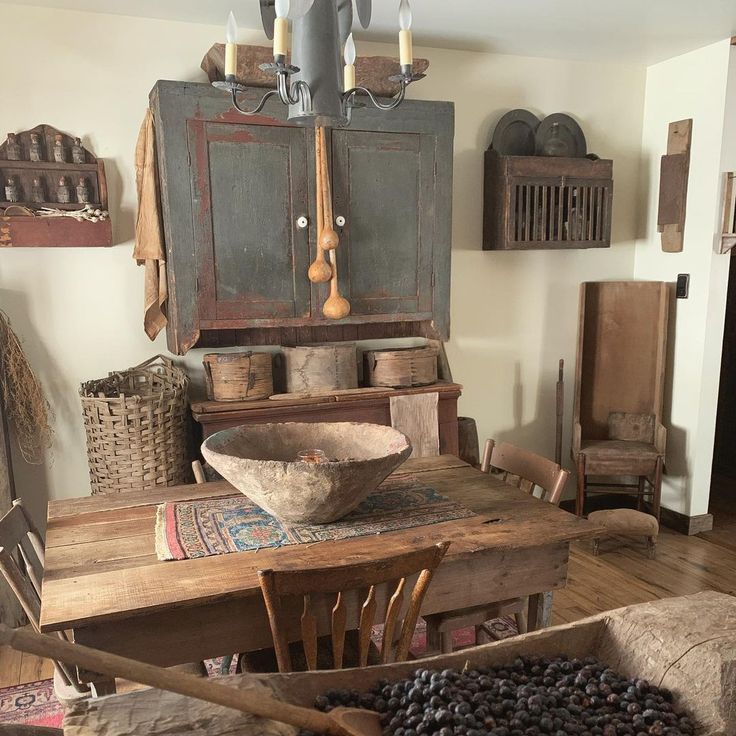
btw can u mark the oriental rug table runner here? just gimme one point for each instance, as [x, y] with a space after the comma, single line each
[193, 529]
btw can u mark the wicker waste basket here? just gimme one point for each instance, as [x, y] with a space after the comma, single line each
[136, 427]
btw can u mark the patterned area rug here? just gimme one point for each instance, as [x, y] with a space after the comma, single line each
[32, 704]
[234, 524]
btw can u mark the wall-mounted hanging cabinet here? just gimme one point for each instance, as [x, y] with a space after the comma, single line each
[238, 201]
[546, 202]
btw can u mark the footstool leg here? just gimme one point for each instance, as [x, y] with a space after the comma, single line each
[596, 546]
[652, 547]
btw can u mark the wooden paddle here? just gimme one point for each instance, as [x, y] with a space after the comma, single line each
[336, 306]
[319, 271]
[338, 722]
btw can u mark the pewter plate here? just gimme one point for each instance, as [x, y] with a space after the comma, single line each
[514, 133]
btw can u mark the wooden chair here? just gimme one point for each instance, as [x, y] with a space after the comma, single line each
[19, 539]
[532, 474]
[336, 584]
[619, 389]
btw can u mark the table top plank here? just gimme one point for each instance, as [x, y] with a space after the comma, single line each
[101, 566]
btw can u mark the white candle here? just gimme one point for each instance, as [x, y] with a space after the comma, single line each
[281, 28]
[349, 68]
[231, 47]
[405, 44]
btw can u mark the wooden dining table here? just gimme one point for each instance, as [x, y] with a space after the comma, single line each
[104, 582]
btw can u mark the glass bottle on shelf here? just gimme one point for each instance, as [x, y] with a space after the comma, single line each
[12, 193]
[59, 149]
[83, 190]
[78, 156]
[38, 191]
[63, 191]
[12, 149]
[36, 151]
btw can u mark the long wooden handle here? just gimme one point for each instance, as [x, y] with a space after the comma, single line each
[113, 665]
[318, 153]
[560, 409]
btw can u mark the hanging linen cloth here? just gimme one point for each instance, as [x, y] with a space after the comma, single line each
[149, 240]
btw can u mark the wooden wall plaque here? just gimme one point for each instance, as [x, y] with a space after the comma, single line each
[673, 176]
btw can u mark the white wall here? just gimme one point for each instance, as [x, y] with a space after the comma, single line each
[513, 314]
[690, 86]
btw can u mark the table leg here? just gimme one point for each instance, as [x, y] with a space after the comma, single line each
[539, 614]
[103, 686]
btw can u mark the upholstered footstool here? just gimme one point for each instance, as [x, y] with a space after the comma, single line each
[629, 523]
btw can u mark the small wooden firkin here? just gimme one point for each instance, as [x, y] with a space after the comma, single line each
[238, 376]
[321, 367]
[402, 367]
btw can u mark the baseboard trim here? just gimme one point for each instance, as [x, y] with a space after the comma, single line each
[684, 524]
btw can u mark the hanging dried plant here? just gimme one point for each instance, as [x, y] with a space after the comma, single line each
[23, 396]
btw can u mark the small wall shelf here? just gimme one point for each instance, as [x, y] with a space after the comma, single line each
[29, 230]
[546, 202]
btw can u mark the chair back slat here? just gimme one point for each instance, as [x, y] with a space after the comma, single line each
[392, 616]
[410, 620]
[526, 470]
[273, 609]
[339, 622]
[367, 619]
[309, 633]
[21, 586]
[366, 576]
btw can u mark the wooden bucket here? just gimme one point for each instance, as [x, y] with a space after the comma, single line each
[401, 368]
[238, 376]
[323, 367]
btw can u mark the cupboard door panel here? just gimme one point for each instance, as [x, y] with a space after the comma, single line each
[249, 187]
[383, 184]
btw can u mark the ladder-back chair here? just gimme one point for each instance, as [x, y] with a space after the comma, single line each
[336, 583]
[530, 473]
[20, 539]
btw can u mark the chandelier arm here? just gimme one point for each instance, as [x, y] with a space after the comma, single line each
[258, 107]
[349, 95]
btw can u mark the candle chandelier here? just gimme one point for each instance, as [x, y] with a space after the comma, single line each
[317, 86]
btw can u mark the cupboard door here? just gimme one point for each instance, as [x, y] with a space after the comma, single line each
[249, 187]
[384, 188]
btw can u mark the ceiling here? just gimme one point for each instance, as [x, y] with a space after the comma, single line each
[636, 31]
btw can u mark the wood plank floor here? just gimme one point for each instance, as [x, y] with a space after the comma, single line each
[620, 576]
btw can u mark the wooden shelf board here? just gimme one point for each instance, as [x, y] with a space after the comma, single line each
[41, 165]
[53, 232]
[54, 205]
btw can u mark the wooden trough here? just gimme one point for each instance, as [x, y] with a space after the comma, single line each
[686, 644]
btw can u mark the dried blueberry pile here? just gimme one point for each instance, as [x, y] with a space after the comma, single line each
[533, 696]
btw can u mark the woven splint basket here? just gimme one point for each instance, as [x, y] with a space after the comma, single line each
[136, 426]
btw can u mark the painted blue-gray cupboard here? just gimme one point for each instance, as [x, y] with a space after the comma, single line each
[235, 191]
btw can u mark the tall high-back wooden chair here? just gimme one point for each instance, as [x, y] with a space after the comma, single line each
[526, 470]
[19, 539]
[619, 389]
[336, 583]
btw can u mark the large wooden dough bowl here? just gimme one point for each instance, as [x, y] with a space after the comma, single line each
[260, 461]
[686, 644]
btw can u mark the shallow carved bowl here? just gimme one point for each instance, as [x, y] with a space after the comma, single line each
[260, 461]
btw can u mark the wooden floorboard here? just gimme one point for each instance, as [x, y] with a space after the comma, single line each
[621, 575]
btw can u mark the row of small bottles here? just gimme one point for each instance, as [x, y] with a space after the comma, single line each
[14, 151]
[14, 193]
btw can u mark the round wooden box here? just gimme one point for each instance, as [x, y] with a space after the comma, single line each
[401, 368]
[324, 367]
[238, 376]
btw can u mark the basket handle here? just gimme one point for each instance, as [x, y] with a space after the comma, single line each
[163, 358]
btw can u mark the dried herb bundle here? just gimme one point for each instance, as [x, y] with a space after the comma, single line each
[23, 396]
